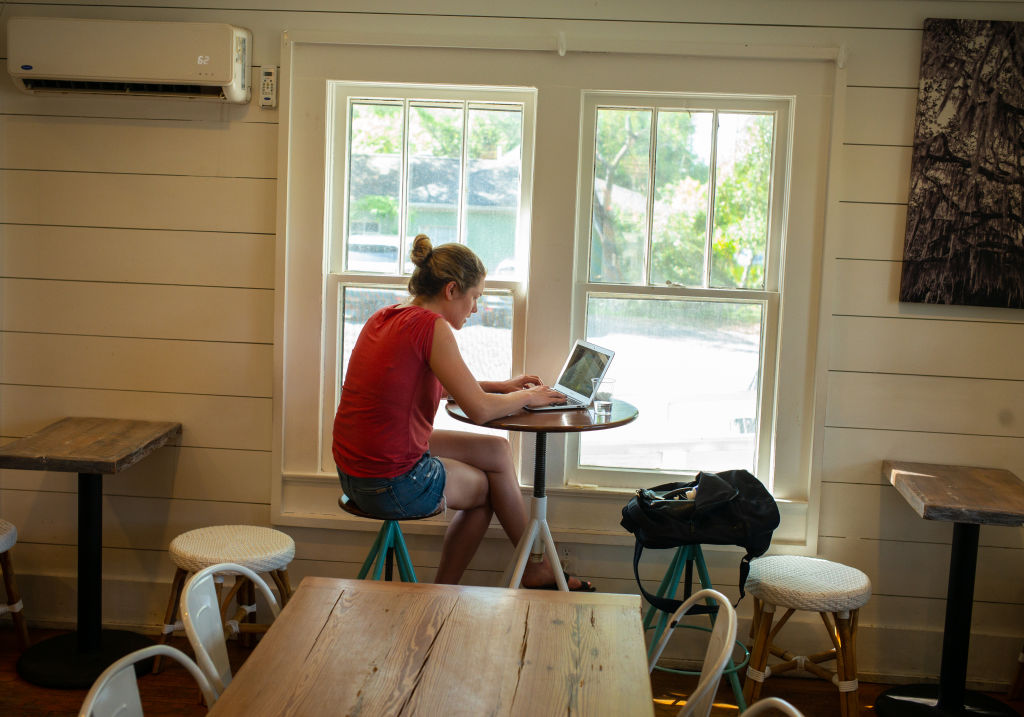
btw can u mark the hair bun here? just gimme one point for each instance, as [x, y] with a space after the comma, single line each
[422, 250]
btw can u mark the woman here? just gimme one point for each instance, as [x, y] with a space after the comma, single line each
[391, 461]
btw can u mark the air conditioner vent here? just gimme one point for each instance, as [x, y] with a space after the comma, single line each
[127, 88]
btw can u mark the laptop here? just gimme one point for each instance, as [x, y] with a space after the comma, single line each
[586, 361]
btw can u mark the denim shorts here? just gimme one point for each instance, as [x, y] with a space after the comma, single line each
[414, 494]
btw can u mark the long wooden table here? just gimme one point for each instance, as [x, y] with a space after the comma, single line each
[90, 447]
[967, 497]
[346, 647]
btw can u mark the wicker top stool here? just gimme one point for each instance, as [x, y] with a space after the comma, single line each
[257, 548]
[261, 549]
[833, 590]
[802, 583]
[8, 537]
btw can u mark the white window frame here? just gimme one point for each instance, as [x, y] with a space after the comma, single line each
[769, 297]
[626, 58]
[340, 95]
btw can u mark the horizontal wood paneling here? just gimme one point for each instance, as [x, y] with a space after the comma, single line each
[181, 472]
[880, 115]
[871, 231]
[880, 513]
[207, 421]
[925, 403]
[940, 348]
[855, 455]
[197, 313]
[203, 367]
[218, 204]
[77, 144]
[138, 256]
[143, 524]
[871, 288]
[875, 174]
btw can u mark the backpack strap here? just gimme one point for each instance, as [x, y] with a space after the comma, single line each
[744, 571]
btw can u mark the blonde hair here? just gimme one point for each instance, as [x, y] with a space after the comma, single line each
[436, 267]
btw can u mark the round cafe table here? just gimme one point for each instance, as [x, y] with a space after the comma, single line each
[538, 536]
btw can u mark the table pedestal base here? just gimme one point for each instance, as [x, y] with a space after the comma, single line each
[537, 531]
[57, 661]
[922, 701]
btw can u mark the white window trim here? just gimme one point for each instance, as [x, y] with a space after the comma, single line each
[769, 297]
[337, 277]
[301, 494]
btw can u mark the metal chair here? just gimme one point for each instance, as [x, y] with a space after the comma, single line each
[388, 547]
[115, 693]
[680, 572]
[201, 613]
[719, 650]
[8, 537]
[769, 705]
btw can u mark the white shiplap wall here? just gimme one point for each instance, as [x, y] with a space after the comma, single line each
[136, 280]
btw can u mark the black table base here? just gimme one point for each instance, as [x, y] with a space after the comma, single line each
[922, 701]
[949, 698]
[60, 662]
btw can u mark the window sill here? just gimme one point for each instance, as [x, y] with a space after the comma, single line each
[576, 514]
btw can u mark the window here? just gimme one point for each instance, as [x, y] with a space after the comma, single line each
[710, 289]
[449, 162]
[678, 272]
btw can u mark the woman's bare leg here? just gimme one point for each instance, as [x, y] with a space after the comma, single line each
[481, 480]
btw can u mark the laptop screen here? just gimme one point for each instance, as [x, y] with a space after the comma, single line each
[586, 362]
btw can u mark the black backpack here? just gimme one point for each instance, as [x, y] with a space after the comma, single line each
[727, 508]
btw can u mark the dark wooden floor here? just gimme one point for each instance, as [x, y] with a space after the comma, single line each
[173, 692]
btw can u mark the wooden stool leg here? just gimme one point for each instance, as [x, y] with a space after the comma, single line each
[14, 599]
[170, 615]
[283, 586]
[764, 613]
[846, 663]
[246, 597]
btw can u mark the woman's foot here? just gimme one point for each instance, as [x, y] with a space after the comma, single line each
[540, 576]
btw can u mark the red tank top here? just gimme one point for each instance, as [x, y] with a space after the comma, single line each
[390, 395]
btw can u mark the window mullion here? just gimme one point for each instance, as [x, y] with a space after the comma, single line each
[651, 174]
[403, 190]
[712, 184]
[460, 236]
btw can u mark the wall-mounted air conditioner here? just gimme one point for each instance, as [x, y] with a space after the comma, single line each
[124, 57]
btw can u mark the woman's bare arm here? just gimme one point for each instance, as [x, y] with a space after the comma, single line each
[480, 406]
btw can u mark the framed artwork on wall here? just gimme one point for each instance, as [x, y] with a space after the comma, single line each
[965, 216]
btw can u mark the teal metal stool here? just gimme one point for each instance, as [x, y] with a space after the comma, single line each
[388, 547]
[681, 569]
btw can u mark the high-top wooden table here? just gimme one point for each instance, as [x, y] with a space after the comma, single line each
[967, 497]
[90, 447]
[537, 538]
[346, 647]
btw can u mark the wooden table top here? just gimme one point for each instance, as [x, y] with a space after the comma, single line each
[88, 445]
[572, 421]
[346, 647]
[961, 494]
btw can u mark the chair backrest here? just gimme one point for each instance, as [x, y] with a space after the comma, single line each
[115, 693]
[769, 705]
[201, 613]
[720, 647]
